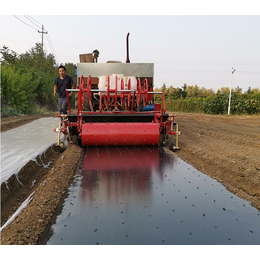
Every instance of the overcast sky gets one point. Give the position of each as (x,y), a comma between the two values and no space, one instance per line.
(185,49)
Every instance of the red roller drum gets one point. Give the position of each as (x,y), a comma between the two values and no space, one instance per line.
(111,134)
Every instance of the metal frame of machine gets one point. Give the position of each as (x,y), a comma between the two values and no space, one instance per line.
(127,126)
(116,111)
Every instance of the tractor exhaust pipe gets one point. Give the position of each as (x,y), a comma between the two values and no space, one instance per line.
(127,48)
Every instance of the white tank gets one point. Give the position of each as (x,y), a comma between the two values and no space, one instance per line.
(133,82)
(102,85)
(113,81)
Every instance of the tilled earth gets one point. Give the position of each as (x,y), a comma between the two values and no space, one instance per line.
(29,226)
(225,148)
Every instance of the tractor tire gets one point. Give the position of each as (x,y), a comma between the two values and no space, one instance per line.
(79,141)
(171,145)
(162,140)
(63,144)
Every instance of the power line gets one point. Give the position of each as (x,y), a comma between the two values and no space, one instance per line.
(51,45)
(25,23)
(34,20)
(41,27)
(42,32)
(31,21)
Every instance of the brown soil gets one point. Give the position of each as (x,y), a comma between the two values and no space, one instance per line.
(8,123)
(226,148)
(30,224)
(13,194)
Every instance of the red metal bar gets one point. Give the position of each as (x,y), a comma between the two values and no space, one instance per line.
(138,99)
(122,94)
(157,107)
(108,91)
(133,102)
(129,94)
(116,94)
(100,103)
(145,91)
(68,101)
(89,94)
(80,94)
(116,112)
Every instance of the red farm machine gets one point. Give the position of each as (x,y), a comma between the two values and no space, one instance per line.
(115,106)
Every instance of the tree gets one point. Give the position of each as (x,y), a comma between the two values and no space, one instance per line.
(192,91)
(203,92)
(238,90)
(27,79)
(223,90)
(9,56)
(38,59)
(249,90)
(256,91)
(174,93)
(163,88)
(184,93)
(17,88)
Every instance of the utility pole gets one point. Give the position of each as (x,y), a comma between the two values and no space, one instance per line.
(229,100)
(42,32)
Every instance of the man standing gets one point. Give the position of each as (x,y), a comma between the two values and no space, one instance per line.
(61,83)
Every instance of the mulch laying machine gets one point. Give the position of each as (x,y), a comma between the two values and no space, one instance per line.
(115,106)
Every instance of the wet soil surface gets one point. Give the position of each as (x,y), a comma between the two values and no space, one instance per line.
(144,196)
(225,148)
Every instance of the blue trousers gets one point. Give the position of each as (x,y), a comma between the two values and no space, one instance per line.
(63,105)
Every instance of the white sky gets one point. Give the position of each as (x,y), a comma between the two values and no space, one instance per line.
(198,49)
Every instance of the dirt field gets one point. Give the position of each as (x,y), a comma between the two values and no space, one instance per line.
(51,183)
(226,148)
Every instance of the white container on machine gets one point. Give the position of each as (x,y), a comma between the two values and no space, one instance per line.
(102,85)
(133,82)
